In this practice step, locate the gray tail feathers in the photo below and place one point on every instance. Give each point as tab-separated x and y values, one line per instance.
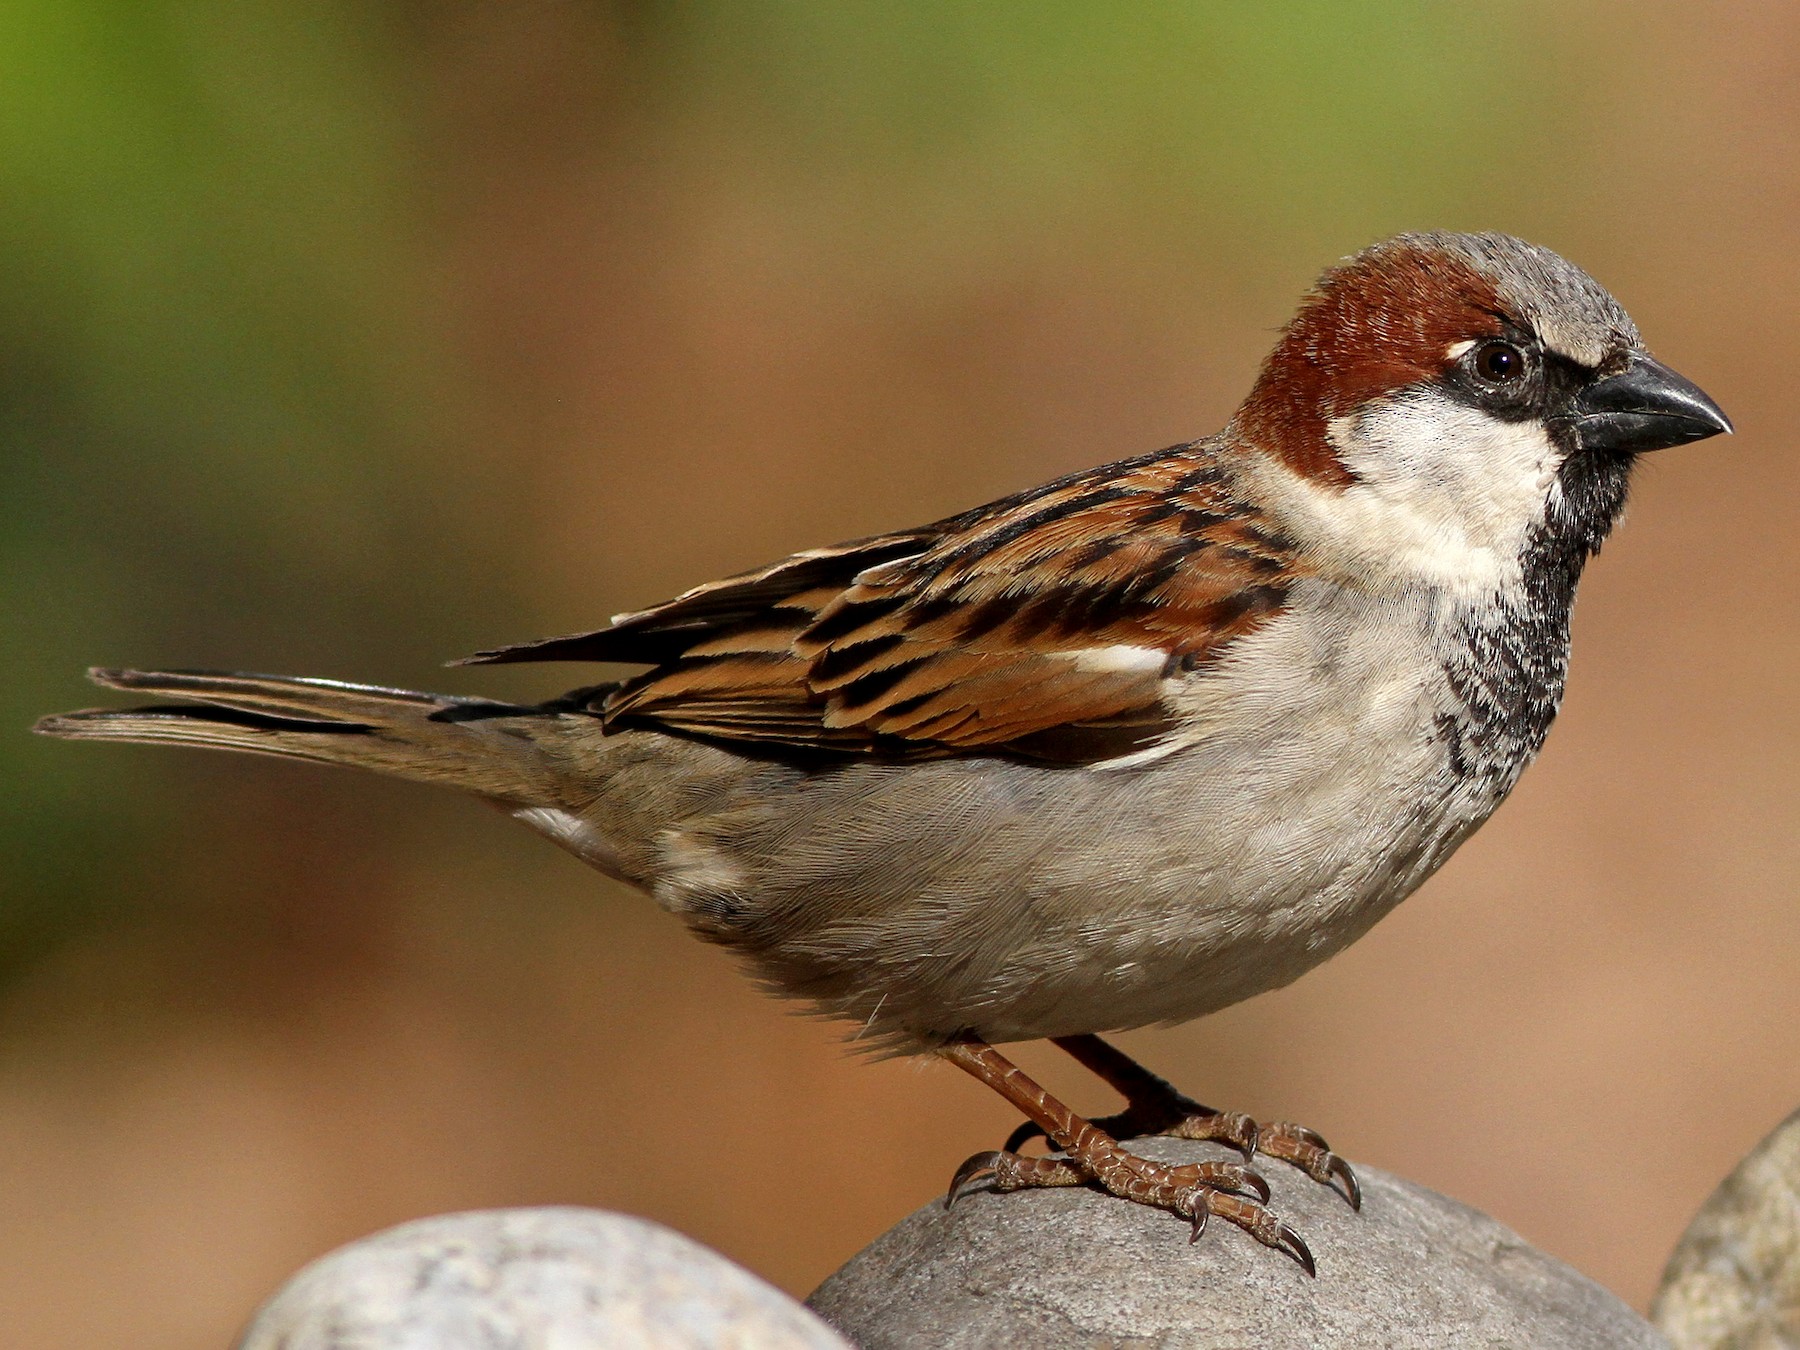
494	750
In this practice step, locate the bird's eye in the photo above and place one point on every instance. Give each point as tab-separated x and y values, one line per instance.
1499	362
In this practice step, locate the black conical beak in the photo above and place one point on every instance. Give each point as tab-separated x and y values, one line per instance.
1646	406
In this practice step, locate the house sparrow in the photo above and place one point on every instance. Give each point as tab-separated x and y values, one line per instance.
1122	749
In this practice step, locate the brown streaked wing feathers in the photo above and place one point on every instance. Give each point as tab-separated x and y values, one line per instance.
1043	625
665	631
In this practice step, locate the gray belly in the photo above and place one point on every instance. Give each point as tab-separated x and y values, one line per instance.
1018	901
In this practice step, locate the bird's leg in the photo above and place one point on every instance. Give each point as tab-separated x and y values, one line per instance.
1154	1106
1193	1190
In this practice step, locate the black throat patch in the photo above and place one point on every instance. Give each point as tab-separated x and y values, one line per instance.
1509	670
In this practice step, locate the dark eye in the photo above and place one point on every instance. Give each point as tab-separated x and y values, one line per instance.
1499	362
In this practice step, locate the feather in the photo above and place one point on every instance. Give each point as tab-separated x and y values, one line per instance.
1045	625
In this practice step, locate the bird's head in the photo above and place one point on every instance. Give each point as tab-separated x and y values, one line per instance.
1465	395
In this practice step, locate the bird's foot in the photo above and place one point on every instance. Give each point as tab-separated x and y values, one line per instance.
1195	1191
1091	1156
1180	1117
1154	1106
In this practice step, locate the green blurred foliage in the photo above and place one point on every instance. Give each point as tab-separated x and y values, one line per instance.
240	416
215	371
986	119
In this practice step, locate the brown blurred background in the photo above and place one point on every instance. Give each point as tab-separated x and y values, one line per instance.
342	338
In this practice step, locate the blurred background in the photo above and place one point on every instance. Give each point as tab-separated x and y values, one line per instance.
344	338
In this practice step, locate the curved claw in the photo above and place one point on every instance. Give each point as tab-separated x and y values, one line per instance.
1245	1135
1341	1171
1287	1240
1022	1136
1201	1215
969	1178
1255	1183
1306	1136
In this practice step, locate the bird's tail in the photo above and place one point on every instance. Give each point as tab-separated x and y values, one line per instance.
494	750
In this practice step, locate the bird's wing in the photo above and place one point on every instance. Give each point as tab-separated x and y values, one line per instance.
1044	625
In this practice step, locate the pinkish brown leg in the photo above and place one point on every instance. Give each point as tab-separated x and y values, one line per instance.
1154	1106
1195	1191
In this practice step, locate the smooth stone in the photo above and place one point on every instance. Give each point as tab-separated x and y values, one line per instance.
1072	1267
532	1279
1734	1280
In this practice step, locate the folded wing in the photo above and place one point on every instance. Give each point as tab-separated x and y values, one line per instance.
1045	625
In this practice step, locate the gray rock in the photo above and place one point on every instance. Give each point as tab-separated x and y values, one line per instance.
531	1279
1734	1280
1061	1268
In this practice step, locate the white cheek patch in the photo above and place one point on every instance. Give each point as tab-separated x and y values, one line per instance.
1444	494
1460	489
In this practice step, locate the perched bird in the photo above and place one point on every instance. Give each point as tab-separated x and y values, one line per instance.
1122	749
